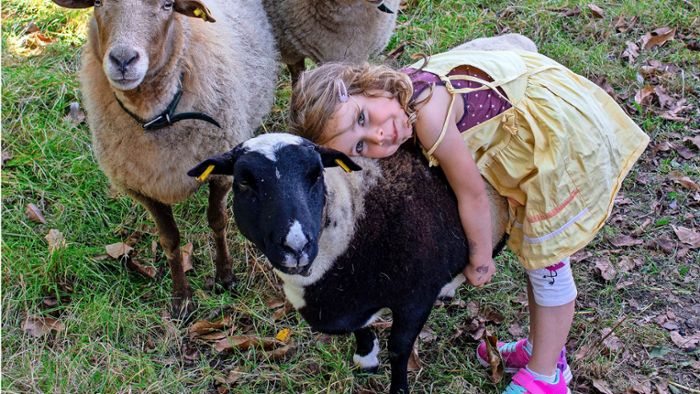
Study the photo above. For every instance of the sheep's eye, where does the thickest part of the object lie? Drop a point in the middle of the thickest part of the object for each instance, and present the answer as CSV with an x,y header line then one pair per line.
x,y
168,5
245,182
97,3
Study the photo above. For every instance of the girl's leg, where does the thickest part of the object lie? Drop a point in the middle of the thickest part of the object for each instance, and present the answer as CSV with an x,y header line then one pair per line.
x,y
551,295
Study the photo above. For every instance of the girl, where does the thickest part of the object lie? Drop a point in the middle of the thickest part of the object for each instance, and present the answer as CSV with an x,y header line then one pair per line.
x,y
550,141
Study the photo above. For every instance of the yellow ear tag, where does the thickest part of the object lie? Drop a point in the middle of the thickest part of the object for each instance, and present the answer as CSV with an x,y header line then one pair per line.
x,y
206,173
343,165
199,13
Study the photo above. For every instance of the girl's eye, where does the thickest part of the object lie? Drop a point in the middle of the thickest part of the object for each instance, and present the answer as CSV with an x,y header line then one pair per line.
x,y
168,5
359,147
361,119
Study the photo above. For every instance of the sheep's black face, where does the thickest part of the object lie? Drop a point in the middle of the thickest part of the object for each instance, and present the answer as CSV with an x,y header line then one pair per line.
x,y
278,204
279,194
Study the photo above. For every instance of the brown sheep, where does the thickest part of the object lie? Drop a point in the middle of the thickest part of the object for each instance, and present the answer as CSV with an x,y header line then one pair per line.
x,y
164,89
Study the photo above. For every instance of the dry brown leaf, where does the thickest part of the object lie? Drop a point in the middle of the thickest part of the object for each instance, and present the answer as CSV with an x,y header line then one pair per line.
x,y
31,27
631,52
625,240
281,352
687,236
204,327
674,112
492,315
280,313
414,363
274,303
665,101
117,250
186,252
570,11
607,270
678,177
602,386
493,357
694,139
75,115
611,342
596,11
516,330
34,214
144,270
6,156
685,342
39,326
644,95
622,25
427,335
627,264
55,239
657,37
245,342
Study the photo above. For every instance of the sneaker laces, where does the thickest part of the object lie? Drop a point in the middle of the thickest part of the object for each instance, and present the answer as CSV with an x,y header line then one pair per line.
x,y
509,347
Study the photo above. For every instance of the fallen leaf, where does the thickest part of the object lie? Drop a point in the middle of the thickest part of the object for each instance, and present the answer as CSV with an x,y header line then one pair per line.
x,y
679,178
232,376
245,342
186,252
413,360
622,25
493,357
282,312
625,240
611,342
117,250
627,264
6,156
190,353
665,101
397,52
284,334
644,95
631,52
492,315
34,214
685,342
55,239
674,112
687,236
694,139
204,327
657,37
596,11
280,352
144,270
427,335
31,27
274,303
568,12
602,386
516,330
39,326
607,270
75,115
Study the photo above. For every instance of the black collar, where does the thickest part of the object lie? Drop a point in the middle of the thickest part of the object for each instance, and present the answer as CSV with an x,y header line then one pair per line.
x,y
168,117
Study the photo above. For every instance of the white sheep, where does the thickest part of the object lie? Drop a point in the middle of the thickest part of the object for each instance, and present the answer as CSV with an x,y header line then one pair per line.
x,y
330,30
165,89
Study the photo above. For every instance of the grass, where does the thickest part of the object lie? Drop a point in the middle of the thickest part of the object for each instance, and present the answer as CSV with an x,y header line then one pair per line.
x,y
116,338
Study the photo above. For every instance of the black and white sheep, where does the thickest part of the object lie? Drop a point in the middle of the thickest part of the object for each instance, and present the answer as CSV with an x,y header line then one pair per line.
x,y
164,89
348,245
330,30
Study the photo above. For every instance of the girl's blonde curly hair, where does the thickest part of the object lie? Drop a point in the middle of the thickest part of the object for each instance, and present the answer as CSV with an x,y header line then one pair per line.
x,y
317,93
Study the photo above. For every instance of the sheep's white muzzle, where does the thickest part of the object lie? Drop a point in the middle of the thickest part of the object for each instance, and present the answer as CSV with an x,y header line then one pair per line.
x,y
296,259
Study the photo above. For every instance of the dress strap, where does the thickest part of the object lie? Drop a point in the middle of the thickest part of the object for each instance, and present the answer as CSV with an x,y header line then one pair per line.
x,y
444,126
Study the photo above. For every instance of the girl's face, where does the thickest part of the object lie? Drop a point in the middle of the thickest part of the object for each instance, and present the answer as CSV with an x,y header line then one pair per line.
x,y
368,126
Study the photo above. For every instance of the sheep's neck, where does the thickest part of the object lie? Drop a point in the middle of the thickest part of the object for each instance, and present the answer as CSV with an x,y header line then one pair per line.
x,y
161,83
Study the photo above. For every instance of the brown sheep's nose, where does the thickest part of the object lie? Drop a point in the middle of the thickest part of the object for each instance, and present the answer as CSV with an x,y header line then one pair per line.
x,y
122,57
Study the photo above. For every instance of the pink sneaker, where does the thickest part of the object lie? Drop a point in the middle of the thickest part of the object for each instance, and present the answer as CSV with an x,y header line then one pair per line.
x,y
516,357
524,383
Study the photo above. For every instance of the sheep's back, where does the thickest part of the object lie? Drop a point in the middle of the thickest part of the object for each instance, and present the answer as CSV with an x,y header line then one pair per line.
x,y
330,30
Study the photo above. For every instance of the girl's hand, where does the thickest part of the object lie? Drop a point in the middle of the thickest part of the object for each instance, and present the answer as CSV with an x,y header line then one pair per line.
x,y
479,271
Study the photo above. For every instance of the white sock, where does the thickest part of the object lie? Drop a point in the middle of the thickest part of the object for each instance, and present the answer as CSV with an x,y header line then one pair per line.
x,y
549,379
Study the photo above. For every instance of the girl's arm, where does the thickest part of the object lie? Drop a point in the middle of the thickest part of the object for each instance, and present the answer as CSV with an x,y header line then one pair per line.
x,y
466,182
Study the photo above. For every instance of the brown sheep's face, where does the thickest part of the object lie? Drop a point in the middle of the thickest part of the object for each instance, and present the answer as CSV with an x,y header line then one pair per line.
x,y
135,37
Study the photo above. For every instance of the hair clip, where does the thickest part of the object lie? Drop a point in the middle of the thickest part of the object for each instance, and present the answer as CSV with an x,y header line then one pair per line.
x,y
342,90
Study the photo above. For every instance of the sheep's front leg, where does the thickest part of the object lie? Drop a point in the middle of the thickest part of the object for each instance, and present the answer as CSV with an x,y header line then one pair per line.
x,y
295,70
405,328
218,219
367,350
182,304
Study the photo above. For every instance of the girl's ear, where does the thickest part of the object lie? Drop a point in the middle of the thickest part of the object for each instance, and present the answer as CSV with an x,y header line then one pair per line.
x,y
194,8
334,158
220,165
75,3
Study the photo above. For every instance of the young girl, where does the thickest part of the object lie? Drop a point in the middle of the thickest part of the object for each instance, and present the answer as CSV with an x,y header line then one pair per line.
x,y
550,141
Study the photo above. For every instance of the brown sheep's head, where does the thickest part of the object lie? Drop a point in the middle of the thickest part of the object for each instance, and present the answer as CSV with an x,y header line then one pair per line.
x,y
135,37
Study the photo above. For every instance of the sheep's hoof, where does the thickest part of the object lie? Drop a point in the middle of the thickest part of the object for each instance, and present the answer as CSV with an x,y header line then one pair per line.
x,y
183,309
226,285
370,370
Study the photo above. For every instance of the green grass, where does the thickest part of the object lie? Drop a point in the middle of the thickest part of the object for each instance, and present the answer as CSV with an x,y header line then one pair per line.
x,y
116,338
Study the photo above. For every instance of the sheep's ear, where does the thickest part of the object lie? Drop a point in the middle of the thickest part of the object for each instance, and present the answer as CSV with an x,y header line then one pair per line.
x,y
334,158
194,9
220,164
75,3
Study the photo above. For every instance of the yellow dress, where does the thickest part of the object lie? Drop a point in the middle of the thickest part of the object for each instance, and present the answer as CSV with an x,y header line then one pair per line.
x,y
559,154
